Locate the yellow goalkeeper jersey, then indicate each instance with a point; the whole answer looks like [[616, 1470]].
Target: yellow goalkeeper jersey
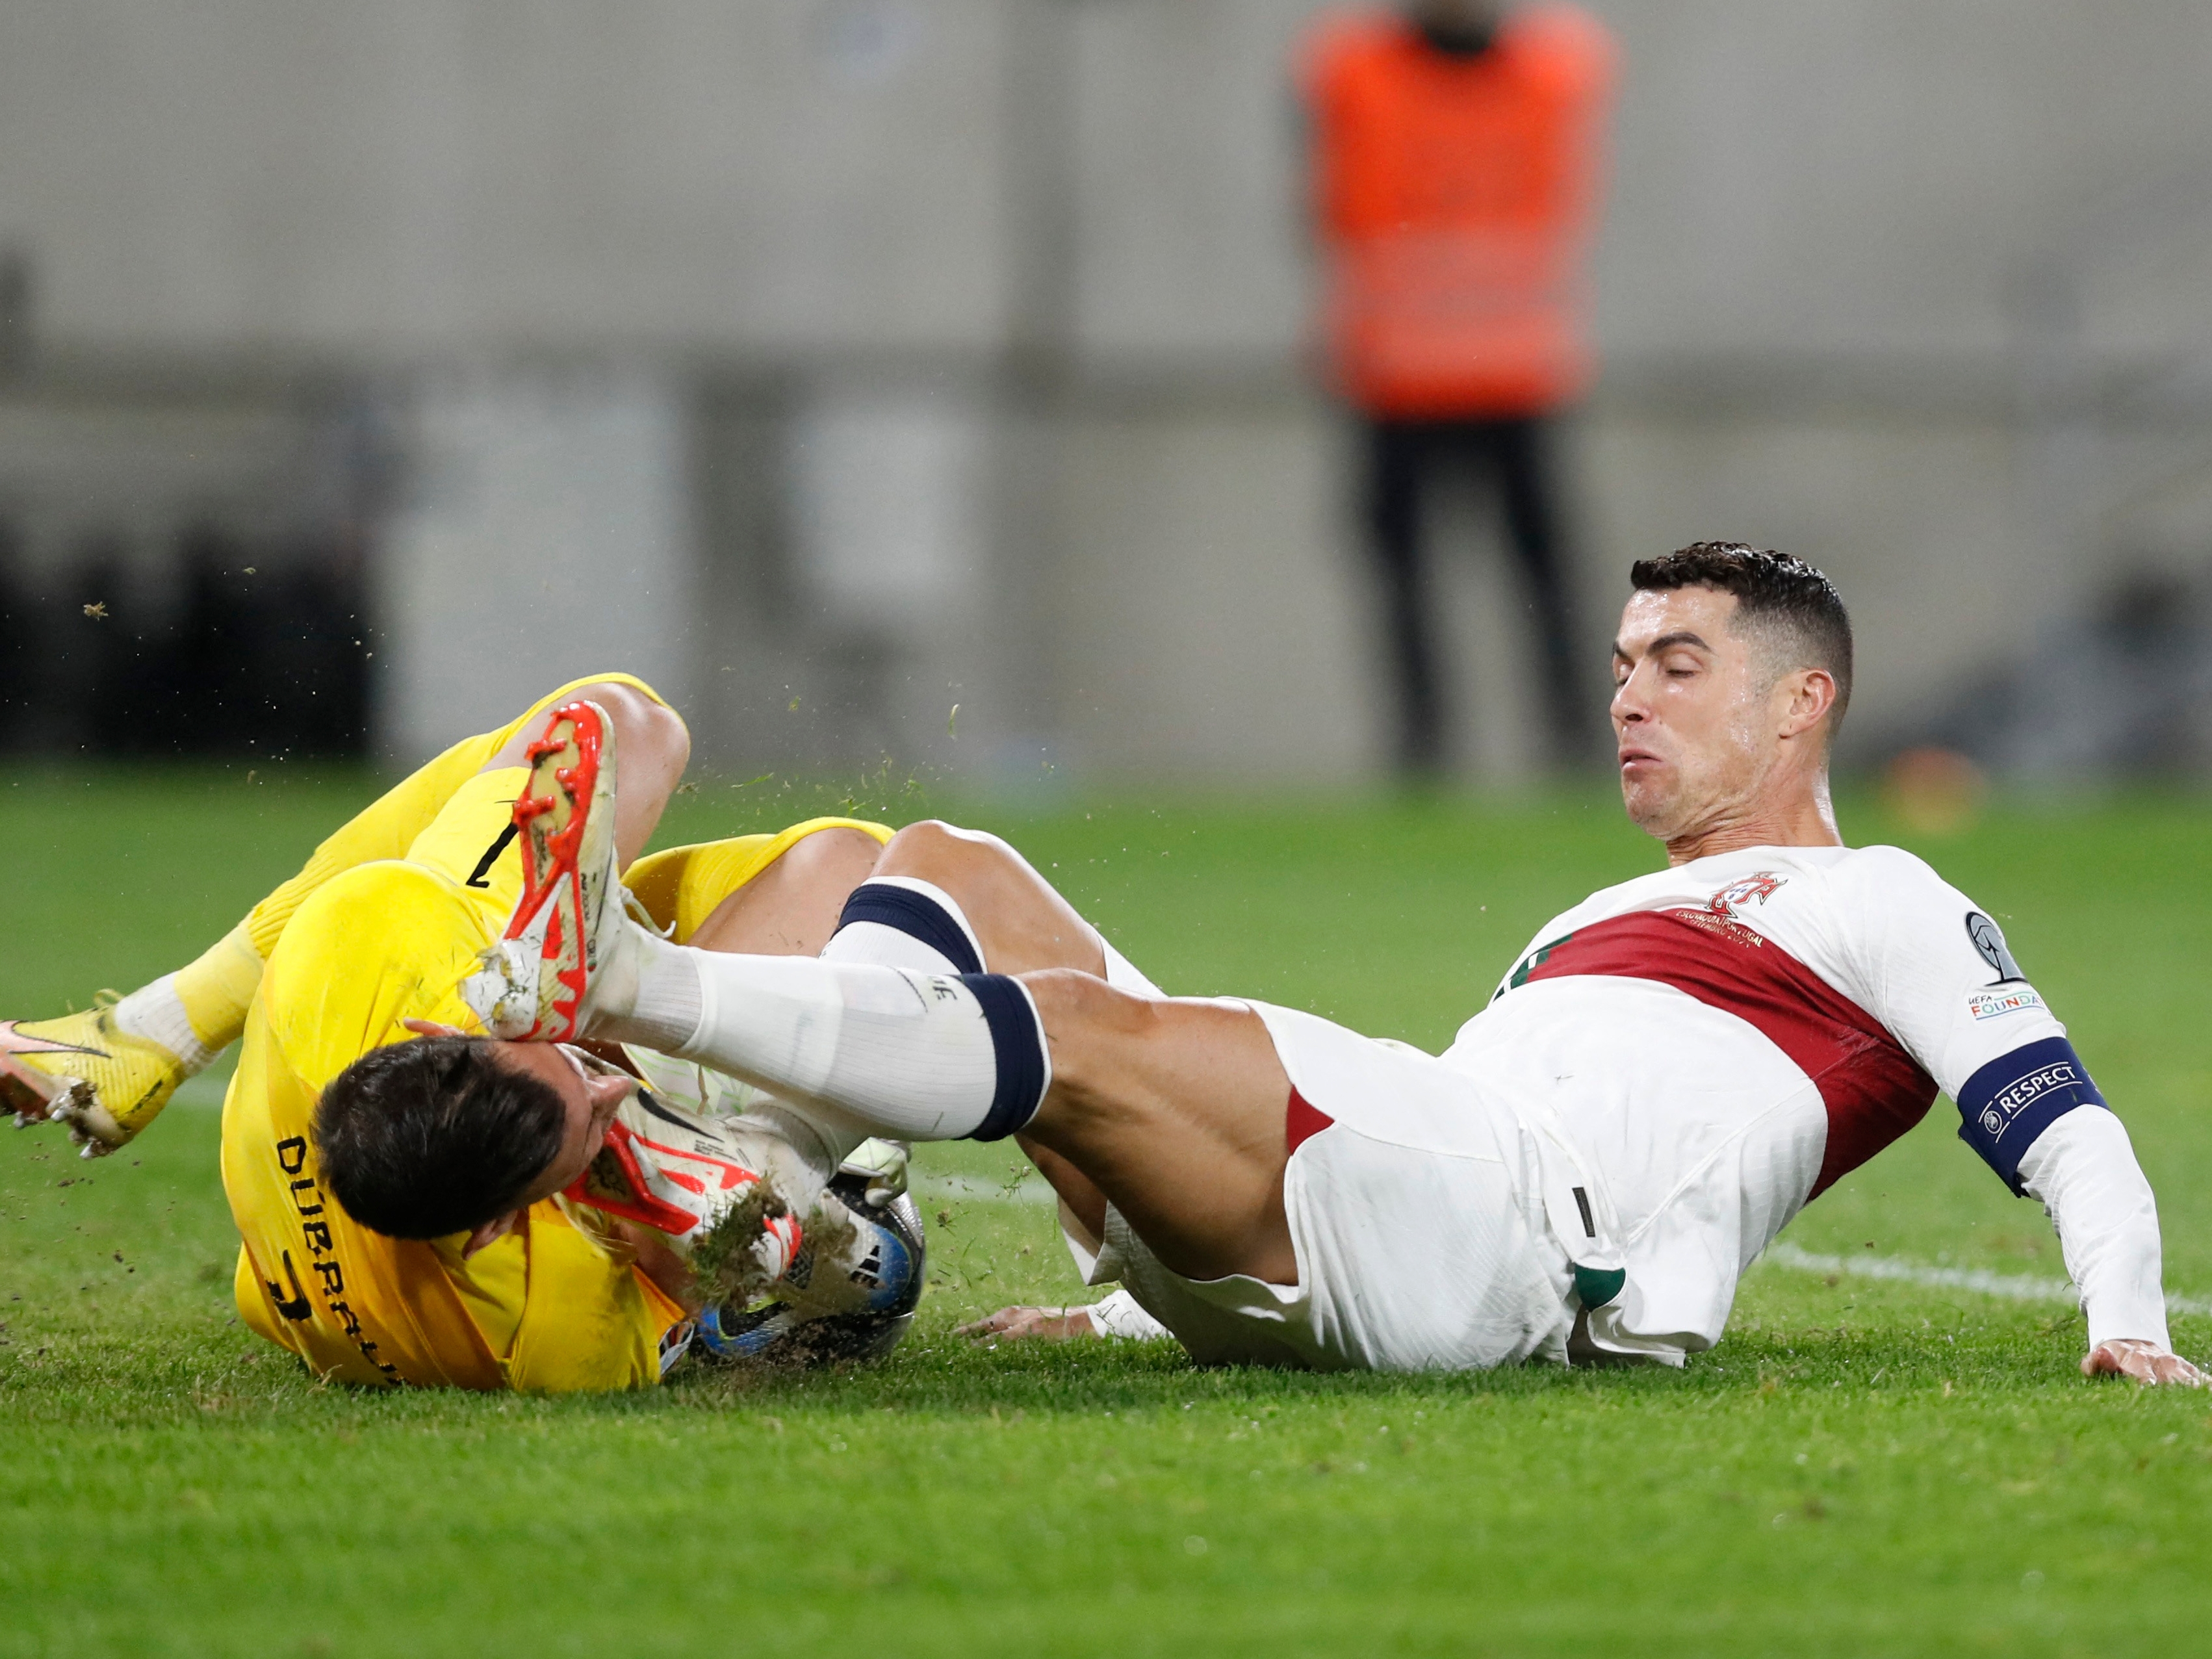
[[556, 1305]]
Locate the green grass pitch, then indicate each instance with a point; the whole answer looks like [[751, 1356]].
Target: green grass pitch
[[1864, 1465]]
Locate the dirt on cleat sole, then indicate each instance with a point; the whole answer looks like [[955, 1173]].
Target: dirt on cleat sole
[[34, 1094]]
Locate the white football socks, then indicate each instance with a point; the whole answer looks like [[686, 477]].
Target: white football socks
[[156, 1013], [894, 1030], [900, 1051], [647, 994], [901, 921], [885, 943]]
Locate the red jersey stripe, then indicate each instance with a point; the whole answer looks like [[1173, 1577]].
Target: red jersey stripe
[[1873, 1090], [1303, 1121]]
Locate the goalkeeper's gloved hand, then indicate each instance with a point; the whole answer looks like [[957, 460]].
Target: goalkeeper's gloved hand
[[884, 1164]]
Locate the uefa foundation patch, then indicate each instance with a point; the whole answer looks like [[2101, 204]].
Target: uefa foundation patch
[[1995, 1004]]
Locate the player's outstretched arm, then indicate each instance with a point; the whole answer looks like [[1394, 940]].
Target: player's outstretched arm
[[1934, 968], [2083, 1169]]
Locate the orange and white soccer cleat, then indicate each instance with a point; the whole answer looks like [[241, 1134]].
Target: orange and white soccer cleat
[[533, 984], [85, 1072], [698, 1179]]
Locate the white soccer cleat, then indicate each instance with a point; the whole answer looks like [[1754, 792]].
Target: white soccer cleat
[[534, 984]]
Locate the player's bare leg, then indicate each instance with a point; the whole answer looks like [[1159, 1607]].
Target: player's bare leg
[[1175, 1111], [1171, 1110], [1025, 926], [791, 909]]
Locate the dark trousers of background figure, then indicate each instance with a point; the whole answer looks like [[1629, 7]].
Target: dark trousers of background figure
[[1405, 460]]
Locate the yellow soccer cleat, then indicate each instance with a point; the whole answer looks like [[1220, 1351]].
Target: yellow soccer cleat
[[84, 1071]]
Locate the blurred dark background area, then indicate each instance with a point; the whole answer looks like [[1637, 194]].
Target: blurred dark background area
[[234, 651]]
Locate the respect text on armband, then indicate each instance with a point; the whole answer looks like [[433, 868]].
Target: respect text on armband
[[2006, 1104]]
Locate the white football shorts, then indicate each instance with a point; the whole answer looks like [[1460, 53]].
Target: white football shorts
[[1425, 1254]]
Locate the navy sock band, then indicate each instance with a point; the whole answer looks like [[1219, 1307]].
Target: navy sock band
[[1017, 1044], [916, 916]]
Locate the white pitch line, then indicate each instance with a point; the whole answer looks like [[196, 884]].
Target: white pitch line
[[1029, 1190], [2016, 1287]]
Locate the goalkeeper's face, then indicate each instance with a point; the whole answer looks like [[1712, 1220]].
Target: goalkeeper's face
[[591, 1092]]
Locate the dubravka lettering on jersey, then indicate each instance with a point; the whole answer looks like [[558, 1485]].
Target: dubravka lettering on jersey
[[1722, 1042], [291, 1299]]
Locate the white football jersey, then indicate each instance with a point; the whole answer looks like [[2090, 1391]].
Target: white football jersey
[[1720, 1042]]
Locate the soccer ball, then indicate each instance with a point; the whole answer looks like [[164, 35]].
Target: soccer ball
[[887, 1261]]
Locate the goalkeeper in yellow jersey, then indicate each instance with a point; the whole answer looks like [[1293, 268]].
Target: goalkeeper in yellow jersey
[[378, 930]]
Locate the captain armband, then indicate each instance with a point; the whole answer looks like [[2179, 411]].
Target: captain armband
[[2016, 1097]]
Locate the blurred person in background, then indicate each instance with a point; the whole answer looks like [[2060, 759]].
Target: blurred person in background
[[1457, 170]]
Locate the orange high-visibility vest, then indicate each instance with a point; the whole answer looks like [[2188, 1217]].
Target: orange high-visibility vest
[[1457, 198]]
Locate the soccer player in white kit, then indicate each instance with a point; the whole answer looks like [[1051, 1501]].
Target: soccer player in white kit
[[1669, 1073]]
